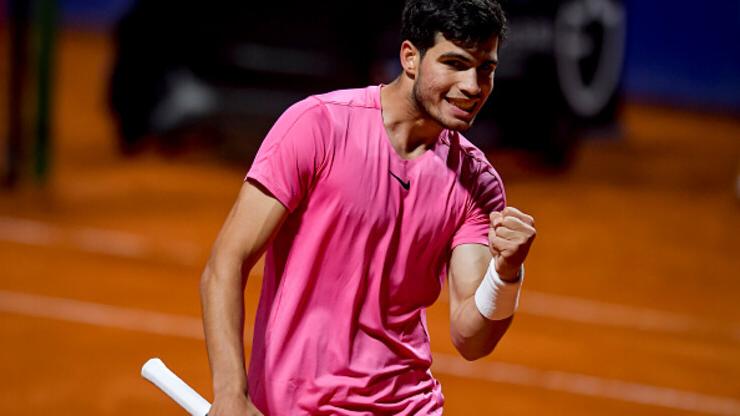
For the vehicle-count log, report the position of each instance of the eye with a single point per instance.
(457, 65)
(488, 67)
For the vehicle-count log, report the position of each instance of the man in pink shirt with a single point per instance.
(365, 201)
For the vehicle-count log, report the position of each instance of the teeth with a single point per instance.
(463, 105)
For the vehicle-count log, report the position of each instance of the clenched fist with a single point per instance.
(510, 235)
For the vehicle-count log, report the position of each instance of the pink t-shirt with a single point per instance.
(341, 324)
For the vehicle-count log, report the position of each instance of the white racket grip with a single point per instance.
(155, 371)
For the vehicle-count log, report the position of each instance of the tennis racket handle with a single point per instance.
(155, 371)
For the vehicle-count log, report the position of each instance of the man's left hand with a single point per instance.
(510, 235)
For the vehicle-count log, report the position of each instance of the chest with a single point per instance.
(365, 179)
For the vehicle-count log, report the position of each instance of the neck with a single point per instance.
(409, 128)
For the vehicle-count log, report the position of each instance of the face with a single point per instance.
(451, 83)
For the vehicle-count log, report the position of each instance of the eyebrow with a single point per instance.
(455, 55)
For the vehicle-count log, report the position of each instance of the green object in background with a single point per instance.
(32, 33)
(46, 11)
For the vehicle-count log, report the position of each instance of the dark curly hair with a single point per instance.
(465, 22)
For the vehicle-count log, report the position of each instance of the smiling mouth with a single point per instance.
(465, 105)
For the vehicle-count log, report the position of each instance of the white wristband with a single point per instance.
(495, 298)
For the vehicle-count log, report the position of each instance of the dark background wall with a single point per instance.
(680, 52)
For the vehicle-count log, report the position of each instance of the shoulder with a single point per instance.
(303, 116)
(474, 161)
(351, 98)
(323, 109)
(309, 107)
(475, 171)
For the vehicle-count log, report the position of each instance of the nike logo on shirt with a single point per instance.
(406, 185)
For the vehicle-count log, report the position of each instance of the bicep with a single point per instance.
(254, 219)
(467, 266)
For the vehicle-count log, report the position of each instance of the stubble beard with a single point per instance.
(421, 106)
(425, 111)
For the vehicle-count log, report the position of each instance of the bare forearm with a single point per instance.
(222, 298)
(473, 335)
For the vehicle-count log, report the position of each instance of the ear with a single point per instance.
(410, 59)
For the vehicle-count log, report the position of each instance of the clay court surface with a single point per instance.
(631, 304)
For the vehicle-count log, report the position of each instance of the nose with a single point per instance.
(469, 84)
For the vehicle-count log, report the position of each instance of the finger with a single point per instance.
(516, 213)
(509, 251)
(491, 237)
(501, 245)
(494, 253)
(507, 233)
(495, 218)
(515, 230)
(514, 223)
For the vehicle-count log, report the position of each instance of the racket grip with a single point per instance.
(155, 371)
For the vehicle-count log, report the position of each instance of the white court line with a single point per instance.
(535, 303)
(100, 315)
(586, 385)
(27, 232)
(97, 241)
(586, 311)
(573, 383)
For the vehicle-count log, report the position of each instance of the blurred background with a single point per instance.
(127, 126)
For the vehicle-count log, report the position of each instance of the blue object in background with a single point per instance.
(93, 14)
(684, 52)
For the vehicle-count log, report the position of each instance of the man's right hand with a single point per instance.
(253, 221)
(235, 405)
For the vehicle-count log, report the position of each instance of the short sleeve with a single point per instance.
(487, 195)
(289, 159)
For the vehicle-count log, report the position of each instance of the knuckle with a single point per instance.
(514, 222)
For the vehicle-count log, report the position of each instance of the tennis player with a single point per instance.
(365, 201)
